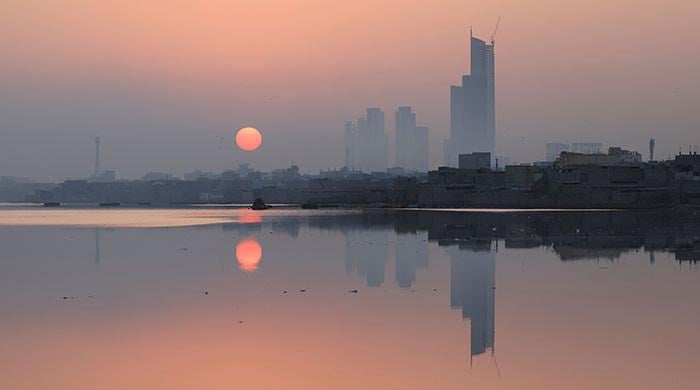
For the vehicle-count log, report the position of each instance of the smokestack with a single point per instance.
(652, 144)
(97, 156)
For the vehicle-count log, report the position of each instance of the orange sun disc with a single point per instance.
(248, 138)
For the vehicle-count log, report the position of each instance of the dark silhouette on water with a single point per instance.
(259, 204)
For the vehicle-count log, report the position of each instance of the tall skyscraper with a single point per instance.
(411, 142)
(473, 107)
(366, 143)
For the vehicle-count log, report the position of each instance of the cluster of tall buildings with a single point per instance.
(472, 273)
(366, 142)
(472, 124)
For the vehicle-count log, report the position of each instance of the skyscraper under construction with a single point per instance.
(472, 107)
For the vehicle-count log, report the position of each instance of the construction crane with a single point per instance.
(495, 30)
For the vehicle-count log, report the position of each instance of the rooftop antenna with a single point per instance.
(97, 156)
(495, 30)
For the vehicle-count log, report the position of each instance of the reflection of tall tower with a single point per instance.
(473, 107)
(472, 283)
(366, 253)
(97, 157)
(411, 254)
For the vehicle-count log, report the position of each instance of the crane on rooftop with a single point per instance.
(495, 30)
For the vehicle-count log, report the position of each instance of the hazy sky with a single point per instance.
(161, 82)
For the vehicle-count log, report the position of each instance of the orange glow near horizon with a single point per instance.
(248, 139)
(250, 216)
(248, 254)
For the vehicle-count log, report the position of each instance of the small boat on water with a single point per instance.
(52, 204)
(259, 204)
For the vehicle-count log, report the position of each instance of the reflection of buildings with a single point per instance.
(571, 235)
(472, 283)
(471, 236)
(366, 252)
(411, 254)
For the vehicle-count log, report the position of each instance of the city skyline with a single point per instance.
(165, 87)
(350, 194)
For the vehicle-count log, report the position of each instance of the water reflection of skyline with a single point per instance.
(472, 242)
(411, 255)
(431, 293)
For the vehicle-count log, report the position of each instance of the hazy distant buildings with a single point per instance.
(626, 156)
(366, 143)
(476, 160)
(411, 142)
(158, 176)
(554, 149)
(105, 176)
(587, 147)
(472, 107)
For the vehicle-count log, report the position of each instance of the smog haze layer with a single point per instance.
(166, 84)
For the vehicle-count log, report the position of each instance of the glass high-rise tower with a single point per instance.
(472, 107)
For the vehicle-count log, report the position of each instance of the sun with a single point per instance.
(248, 254)
(248, 139)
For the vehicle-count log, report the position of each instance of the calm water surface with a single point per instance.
(291, 299)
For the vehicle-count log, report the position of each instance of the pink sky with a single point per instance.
(162, 82)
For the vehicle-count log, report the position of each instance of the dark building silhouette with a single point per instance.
(472, 107)
(411, 142)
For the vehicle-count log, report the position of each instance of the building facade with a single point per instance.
(473, 107)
